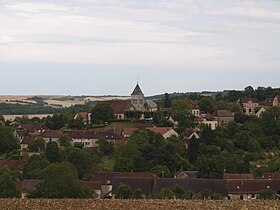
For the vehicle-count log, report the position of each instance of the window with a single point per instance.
(141, 101)
(134, 101)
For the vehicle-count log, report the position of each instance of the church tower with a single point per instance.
(138, 99)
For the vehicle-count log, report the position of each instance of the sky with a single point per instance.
(101, 47)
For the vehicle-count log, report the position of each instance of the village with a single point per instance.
(34, 139)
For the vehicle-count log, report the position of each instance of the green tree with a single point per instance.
(60, 180)
(126, 156)
(167, 102)
(102, 113)
(161, 171)
(267, 194)
(137, 194)
(77, 123)
(124, 192)
(207, 105)
(37, 145)
(56, 122)
(193, 149)
(81, 159)
(64, 141)
(8, 142)
(52, 152)
(105, 147)
(8, 185)
(34, 167)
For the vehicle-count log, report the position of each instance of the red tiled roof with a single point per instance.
(193, 105)
(13, 164)
(51, 134)
(119, 106)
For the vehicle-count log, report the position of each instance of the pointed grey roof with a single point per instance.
(137, 90)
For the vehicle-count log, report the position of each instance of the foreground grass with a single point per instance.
(69, 204)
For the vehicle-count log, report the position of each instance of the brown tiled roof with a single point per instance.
(13, 164)
(26, 140)
(51, 134)
(238, 176)
(194, 185)
(21, 133)
(33, 126)
(250, 186)
(118, 106)
(108, 176)
(145, 184)
(161, 130)
(224, 113)
(271, 176)
(129, 131)
(189, 131)
(93, 185)
(246, 100)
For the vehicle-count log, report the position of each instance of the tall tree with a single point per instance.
(167, 101)
(81, 159)
(60, 180)
(52, 152)
(8, 185)
(8, 142)
(102, 113)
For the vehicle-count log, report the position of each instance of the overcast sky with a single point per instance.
(99, 47)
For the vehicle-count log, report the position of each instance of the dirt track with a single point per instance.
(135, 205)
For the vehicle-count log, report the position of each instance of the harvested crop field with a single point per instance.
(16, 204)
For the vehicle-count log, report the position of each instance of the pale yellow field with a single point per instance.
(136, 205)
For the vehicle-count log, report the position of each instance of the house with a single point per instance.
(94, 186)
(25, 142)
(20, 134)
(181, 174)
(51, 136)
(138, 99)
(259, 110)
(85, 116)
(119, 107)
(208, 120)
(248, 189)
(249, 105)
(195, 108)
(16, 165)
(135, 183)
(166, 132)
(224, 116)
(190, 133)
(28, 186)
(238, 176)
(195, 185)
(150, 106)
(110, 179)
(127, 132)
(276, 101)
(90, 138)
(33, 127)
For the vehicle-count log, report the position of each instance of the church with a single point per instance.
(137, 102)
